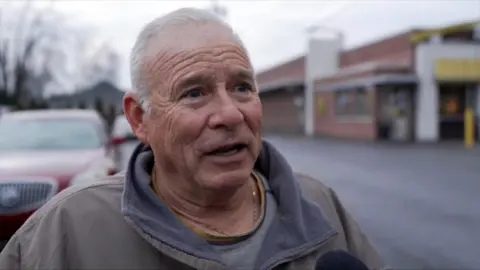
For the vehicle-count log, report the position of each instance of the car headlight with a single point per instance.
(92, 174)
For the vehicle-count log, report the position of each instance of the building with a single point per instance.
(411, 86)
(104, 92)
(282, 94)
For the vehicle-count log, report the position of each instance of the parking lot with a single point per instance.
(419, 204)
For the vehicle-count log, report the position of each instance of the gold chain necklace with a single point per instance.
(207, 226)
(222, 233)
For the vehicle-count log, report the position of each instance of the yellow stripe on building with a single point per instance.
(418, 36)
(457, 69)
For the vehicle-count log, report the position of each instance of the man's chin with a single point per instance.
(224, 180)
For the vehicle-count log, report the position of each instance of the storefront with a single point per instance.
(449, 83)
(416, 94)
(457, 85)
(376, 107)
(412, 86)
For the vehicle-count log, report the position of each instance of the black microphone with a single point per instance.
(339, 260)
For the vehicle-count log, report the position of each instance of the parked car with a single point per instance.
(121, 131)
(4, 109)
(125, 141)
(43, 152)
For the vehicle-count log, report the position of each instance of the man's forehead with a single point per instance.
(200, 51)
(191, 36)
(228, 58)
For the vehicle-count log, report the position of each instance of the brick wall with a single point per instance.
(280, 113)
(397, 50)
(393, 48)
(291, 70)
(328, 124)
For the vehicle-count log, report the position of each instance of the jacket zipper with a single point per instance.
(295, 255)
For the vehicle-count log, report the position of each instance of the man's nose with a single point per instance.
(227, 114)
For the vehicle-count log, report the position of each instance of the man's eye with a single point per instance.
(244, 87)
(193, 93)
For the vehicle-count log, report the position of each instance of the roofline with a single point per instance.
(412, 31)
(368, 82)
(419, 35)
(302, 55)
(376, 40)
(271, 87)
(291, 59)
(370, 66)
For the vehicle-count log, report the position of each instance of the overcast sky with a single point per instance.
(273, 31)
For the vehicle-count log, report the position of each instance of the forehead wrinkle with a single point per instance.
(169, 60)
(209, 72)
(149, 69)
(166, 58)
(204, 54)
(203, 58)
(161, 60)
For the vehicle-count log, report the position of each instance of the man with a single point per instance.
(202, 191)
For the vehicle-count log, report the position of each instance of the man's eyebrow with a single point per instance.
(202, 77)
(194, 78)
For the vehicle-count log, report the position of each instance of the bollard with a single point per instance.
(469, 124)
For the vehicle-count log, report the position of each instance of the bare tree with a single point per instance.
(20, 40)
(40, 51)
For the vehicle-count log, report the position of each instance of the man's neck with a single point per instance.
(226, 210)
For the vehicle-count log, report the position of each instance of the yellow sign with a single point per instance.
(469, 128)
(321, 106)
(458, 69)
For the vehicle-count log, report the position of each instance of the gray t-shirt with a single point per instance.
(243, 255)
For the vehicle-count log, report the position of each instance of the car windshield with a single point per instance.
(48, 134)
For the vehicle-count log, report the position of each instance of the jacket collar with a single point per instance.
(299, 222)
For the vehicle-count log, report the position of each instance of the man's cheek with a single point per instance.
(254, 116)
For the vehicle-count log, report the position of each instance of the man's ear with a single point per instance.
(135, 116)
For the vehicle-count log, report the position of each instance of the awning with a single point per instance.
(390, 79)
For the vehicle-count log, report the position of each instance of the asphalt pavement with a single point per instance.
(419, 204)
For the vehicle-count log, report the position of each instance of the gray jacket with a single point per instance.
(119, 223)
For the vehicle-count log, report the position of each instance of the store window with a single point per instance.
(344, 102)
(452, 100)
(449, 105)
(362, 103)
(353, 102)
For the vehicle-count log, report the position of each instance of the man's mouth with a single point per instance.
(228, 150)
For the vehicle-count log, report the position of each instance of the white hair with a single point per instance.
(154, 29)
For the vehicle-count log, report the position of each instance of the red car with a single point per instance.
(44, 152)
